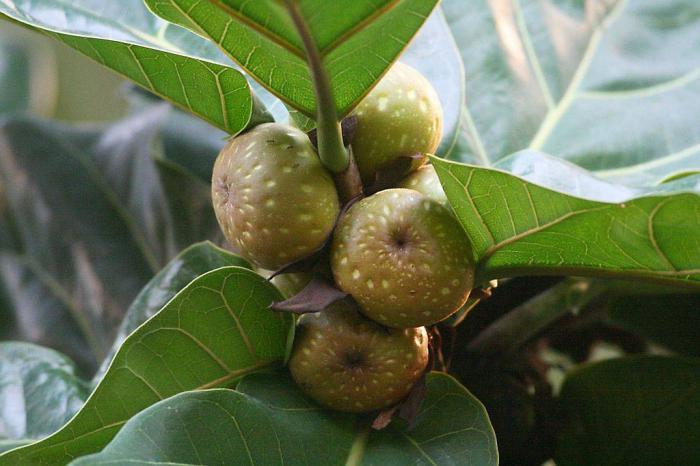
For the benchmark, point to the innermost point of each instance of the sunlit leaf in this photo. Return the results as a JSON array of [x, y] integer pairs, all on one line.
[[519, 228], [357, 40]]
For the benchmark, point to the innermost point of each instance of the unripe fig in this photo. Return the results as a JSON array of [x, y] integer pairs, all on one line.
[[425, 181], [404, 258], [401, 116], [349, 363], [272, 197]]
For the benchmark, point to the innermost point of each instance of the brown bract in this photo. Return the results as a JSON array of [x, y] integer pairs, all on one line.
[[272, 197], [349, 363], [404, 259], [401, 116]]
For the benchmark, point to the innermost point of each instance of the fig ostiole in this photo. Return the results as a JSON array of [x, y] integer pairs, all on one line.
[[273, 199], [400, 117], [349, 363], [404, 258]]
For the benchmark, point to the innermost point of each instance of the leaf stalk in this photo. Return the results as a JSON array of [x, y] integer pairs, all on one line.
[[330, 141]]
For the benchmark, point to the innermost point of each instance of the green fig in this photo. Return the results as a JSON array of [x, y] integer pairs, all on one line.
[[401, 116], [348, 363], [404, 258], [273, 199]]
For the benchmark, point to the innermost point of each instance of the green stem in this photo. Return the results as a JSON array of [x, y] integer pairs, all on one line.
[[357, 450], [508, 334], [330, 139]]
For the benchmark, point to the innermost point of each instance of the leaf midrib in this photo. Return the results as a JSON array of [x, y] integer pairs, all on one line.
[[213, 383], [288, 46], [369, 19], [555, 114]]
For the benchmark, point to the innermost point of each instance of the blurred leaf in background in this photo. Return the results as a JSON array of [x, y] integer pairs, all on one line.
[[44, 77]]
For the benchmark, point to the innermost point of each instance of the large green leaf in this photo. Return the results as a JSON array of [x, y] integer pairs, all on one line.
[[267, 421], [75, 239], [127, 38], [194, 261], [641, 411], [39, 391], [610, 85], [519, 228], [357, 40], [213, 332]]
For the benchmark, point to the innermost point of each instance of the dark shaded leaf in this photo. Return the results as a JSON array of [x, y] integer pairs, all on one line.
[[638, 410], [52, 189], [672, 321]]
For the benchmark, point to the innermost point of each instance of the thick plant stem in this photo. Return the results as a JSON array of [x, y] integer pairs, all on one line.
[[330, 140], [507, 335]]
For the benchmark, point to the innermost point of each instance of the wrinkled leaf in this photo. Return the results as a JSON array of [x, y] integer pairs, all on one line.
[[259, 423], [39, 392], [194, 261], [518, 228], [214, 331], [127, 38], [357, 40], [610, 85], [641, 411]]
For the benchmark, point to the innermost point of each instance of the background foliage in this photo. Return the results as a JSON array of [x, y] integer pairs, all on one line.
[[578, 122]]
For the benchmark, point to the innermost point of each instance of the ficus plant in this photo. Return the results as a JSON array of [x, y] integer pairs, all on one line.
[[356, 232]]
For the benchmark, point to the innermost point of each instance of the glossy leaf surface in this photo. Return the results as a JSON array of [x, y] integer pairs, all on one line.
[[268, 421], [609, 85], [357, 41], [519, 228], [216, 330]]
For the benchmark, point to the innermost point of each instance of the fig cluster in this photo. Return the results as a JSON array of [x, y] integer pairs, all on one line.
[[399, 253]]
